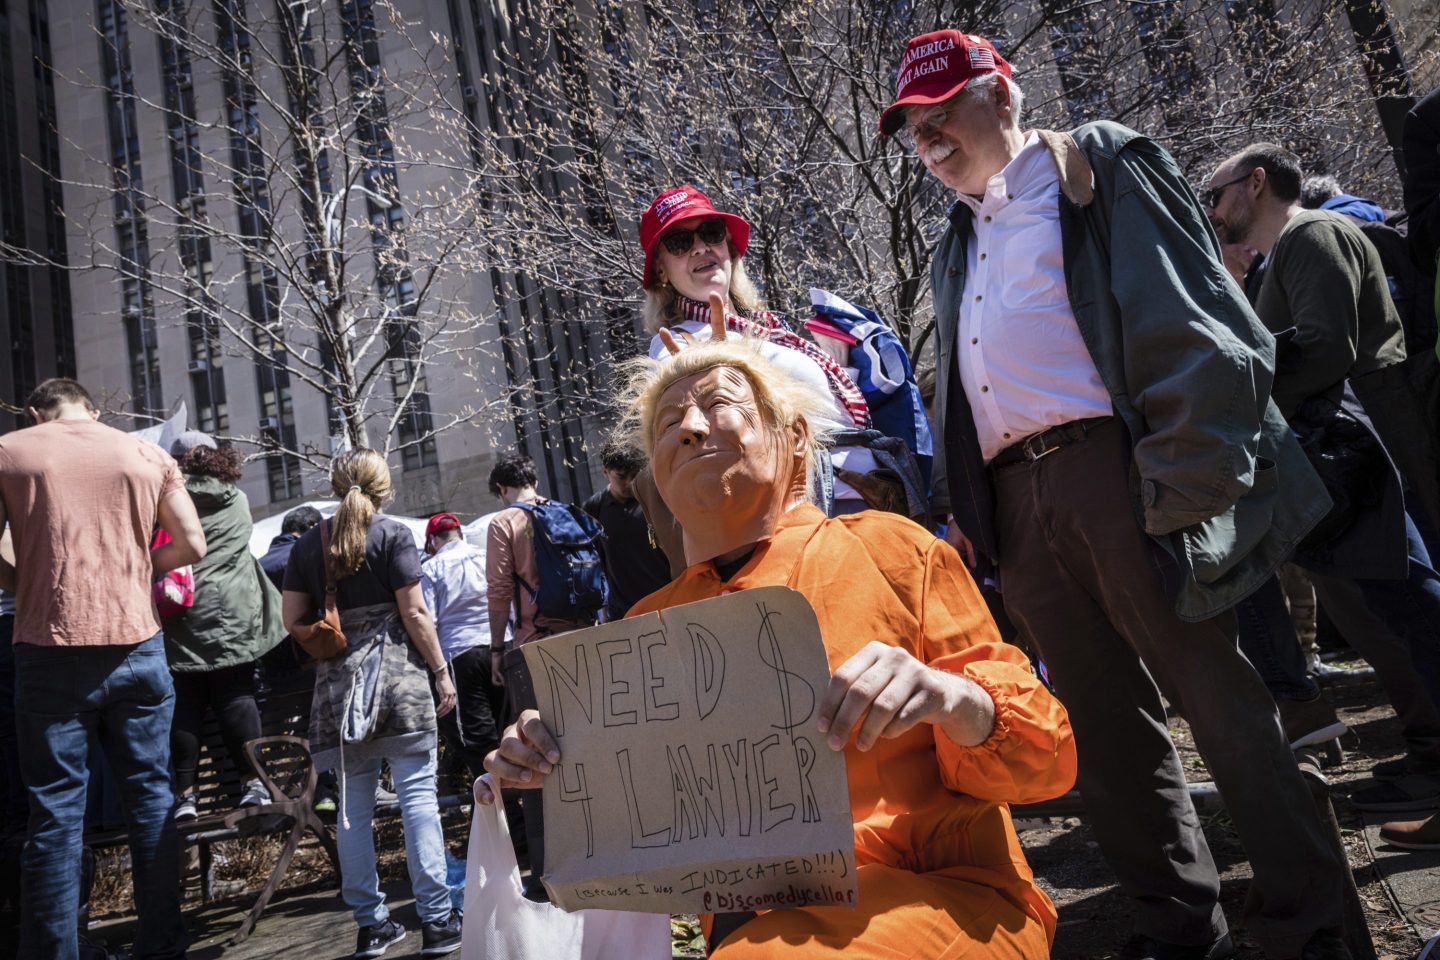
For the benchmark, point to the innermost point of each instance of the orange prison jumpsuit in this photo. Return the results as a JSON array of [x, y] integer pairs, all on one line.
[[940, 871]]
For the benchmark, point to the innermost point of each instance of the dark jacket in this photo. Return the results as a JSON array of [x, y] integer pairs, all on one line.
[[1218, 480], [273, 563], [236, 615], [1421, 146]]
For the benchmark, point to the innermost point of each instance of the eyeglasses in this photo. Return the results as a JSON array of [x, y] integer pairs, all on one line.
[[933, 119], [711, 231], [1211, 197]]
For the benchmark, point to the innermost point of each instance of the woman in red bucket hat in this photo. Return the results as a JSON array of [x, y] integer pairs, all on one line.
[[693, 252]]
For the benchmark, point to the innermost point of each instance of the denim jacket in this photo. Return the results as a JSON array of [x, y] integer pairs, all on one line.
[[1218, 480]]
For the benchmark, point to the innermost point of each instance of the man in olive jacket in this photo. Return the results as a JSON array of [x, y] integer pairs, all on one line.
[[1109, 441]]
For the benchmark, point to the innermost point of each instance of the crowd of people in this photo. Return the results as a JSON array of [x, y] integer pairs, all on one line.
[[1167, 422]]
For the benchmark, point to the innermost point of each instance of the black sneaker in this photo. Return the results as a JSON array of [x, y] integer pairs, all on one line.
[[375, 939], [443, 937]]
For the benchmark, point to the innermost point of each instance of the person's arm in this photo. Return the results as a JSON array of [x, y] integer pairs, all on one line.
[[1198, 364], [7, 553], [421, 628], [499, 591], [177, 517], [1320, 273], [295, 611], [999, 734]]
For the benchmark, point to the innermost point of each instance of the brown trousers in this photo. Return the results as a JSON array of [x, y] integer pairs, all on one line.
[[1083, 582]]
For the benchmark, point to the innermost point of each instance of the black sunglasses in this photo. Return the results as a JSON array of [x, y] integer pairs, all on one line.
[[1212, 196], [711, 231]]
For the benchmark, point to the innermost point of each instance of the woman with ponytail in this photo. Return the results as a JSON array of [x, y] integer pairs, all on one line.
[[373, 703]]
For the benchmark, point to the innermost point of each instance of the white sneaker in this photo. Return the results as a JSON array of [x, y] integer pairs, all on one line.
[[383, 796], [255, 794], [186, 809]]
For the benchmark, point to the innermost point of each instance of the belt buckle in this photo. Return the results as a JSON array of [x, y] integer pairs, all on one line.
[[1028, 445]]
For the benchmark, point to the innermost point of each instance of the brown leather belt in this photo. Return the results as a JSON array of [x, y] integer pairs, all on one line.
[[1040, 445]]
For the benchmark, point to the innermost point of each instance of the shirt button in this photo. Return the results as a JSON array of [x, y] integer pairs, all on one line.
[[984, 389], [974, 339], [978, 298], [1009, 196], [1007, 436], [987, 219], [983, 256], [955, 271]]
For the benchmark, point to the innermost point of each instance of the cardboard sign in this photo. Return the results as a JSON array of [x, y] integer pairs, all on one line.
[[692, 777]]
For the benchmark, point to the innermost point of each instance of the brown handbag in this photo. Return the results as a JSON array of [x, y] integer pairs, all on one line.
[[324, 639]]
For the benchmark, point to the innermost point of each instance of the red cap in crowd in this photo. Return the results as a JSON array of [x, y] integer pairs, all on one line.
[[683, 203], [442, 521], [936, 66]]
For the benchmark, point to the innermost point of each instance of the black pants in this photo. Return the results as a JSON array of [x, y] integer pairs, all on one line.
[[1083, 582], [230, 691], [470, 729]]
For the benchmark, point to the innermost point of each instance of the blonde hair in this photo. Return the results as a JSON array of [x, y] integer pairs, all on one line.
[[784, 400], [361, 479], [661, 308]]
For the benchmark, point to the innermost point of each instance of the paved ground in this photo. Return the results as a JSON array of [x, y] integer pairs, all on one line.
[[1400, 890]]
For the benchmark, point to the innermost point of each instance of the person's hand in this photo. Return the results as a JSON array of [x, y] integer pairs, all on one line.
[[957, 539], [717, 326], [497, 668], [526, 755], [893, 691], [485, 790], [444, 693]]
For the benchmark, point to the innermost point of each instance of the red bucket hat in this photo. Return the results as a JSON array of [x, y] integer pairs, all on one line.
[[936, 66], [683, 203], [442, 521]]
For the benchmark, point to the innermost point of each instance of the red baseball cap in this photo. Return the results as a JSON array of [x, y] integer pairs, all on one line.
[[442, 521], [936, 66], [683, 203]]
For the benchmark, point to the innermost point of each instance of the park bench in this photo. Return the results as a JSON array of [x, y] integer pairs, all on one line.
[[282, 756]]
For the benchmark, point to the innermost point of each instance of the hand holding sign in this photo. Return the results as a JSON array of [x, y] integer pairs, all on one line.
[[676, 742], [527, 753]]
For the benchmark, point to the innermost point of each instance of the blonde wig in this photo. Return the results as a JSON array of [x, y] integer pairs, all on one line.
[[784, 400], [361, 479]]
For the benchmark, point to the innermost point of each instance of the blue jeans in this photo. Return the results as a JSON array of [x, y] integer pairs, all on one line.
[[1267, 638], [123, 695], [414, 776], [13, 805]]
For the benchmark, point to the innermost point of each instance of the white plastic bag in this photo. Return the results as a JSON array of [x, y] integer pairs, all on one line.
[[500, 924]]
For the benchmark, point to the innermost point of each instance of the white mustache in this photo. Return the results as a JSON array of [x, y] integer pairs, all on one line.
[[937, 153]]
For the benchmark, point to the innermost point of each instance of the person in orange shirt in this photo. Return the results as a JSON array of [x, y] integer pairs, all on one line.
[[943, 725]]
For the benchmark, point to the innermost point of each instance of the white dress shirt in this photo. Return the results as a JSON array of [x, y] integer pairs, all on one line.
[[453, 584], [1023, 363]]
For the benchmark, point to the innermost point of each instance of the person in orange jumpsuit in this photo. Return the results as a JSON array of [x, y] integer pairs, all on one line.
[[941, 722]]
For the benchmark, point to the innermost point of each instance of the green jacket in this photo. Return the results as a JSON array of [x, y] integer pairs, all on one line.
[[1218, 480], [236, 615]]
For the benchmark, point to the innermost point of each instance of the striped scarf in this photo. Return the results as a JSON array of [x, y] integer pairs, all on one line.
[[767, 326]]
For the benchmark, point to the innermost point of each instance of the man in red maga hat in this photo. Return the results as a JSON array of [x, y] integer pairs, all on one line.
[[1103, 407]]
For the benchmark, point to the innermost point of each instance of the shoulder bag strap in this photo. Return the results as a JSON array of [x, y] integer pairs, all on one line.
[[325, 565]]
